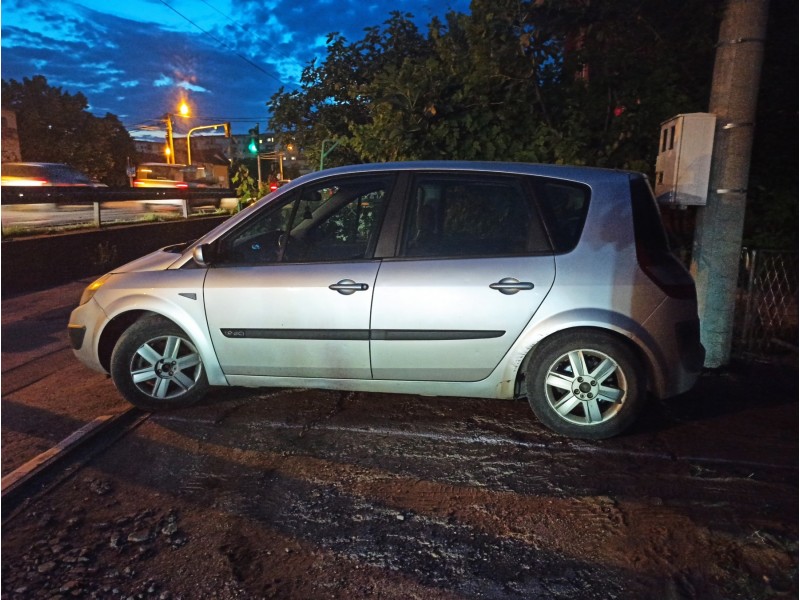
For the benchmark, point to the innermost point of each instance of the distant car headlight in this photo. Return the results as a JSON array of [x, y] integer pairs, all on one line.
[[90, 290]]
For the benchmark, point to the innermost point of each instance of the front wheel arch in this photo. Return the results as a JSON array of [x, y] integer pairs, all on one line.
[[624, 387], [156, 365]]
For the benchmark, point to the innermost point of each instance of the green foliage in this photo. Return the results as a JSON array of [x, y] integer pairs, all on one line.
[[54, 126], [577, 83], [246, 187]]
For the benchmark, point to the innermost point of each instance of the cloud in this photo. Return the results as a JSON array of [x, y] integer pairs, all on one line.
[[138, 58], [191, 87], [163, 81]]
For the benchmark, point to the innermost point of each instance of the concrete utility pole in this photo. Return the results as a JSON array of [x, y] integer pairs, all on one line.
[[718, 235]]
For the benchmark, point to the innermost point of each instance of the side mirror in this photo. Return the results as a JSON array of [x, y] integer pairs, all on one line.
[[202, 255]]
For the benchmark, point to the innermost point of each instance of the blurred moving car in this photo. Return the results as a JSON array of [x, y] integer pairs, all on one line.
[[41, 174], [173, 175], [178, 176], [487, 280]]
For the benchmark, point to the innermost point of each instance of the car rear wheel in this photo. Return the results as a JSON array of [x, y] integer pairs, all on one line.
[[155, 366], [586, 384]]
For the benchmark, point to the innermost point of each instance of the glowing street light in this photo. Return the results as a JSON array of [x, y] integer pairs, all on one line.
[[183, 111]]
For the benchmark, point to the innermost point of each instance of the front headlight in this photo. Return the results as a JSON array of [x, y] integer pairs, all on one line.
[[90, 290]]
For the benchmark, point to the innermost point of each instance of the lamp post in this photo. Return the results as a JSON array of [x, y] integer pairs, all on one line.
[[170, 143], [183, 109], [323, 153]]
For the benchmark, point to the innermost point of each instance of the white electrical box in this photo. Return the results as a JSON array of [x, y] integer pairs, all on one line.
[[683, 164]]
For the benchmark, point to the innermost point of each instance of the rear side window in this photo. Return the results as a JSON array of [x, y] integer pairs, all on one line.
[[564, 206], [471, 215]]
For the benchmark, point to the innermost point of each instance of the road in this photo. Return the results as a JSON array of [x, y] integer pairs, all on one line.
[[317, 494]]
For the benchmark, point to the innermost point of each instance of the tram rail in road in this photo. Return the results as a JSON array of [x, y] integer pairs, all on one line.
[[55, 465]]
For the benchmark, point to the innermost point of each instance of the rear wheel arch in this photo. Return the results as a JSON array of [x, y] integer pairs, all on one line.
[[632, 345], [594, 416]]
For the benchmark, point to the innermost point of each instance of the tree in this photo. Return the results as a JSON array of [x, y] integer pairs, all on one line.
[[545, 81], [54, 126]]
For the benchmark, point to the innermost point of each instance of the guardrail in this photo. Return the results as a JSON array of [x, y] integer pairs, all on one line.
[[89, 195], [98, 196]]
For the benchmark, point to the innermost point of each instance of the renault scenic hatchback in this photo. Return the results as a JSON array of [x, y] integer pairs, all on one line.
[[485, 280]]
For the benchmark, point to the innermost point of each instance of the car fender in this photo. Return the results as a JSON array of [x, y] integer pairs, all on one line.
[[607, 320], [187, 311]]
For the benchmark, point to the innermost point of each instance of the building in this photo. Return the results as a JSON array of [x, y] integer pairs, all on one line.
[[10, 137]]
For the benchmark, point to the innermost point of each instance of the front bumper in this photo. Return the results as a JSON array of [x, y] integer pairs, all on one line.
[[76, 335], [84, 328]]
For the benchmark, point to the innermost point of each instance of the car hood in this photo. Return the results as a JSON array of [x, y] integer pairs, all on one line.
[[155, 261]]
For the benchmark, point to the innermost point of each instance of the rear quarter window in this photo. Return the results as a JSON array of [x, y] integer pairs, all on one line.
[[564, 206]]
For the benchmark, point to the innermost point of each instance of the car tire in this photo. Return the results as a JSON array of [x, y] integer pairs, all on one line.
[[586, 384], [156, 366]]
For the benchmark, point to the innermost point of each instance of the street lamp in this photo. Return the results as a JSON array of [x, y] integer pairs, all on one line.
[[183, 110], [323, 153], [170, 143]]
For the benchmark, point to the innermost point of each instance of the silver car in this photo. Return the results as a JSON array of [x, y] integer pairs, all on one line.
[[486, 280]]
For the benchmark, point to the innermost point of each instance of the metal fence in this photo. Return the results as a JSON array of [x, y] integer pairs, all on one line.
[[49, 209], [766, 322]]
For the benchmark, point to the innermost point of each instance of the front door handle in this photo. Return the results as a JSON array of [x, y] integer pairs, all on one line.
[[348, 286], [509, 285]]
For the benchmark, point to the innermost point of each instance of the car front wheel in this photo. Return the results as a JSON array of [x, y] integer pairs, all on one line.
[[585, 384], [155, 366]]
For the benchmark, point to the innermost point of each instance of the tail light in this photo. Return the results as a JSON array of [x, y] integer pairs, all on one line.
[[666, 271], [652, 248]]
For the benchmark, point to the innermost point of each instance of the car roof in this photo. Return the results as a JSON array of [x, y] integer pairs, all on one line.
[[568, 172]]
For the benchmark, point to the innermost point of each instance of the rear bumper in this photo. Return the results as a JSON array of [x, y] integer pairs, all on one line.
[[692, 352], [677, 354]]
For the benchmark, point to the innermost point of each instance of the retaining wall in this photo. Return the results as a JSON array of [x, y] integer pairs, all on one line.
[[38, 262]]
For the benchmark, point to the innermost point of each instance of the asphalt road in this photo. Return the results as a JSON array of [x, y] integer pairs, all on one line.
[[315, 494]]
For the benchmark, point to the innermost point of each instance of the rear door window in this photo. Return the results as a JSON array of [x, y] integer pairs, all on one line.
[[471, 215]]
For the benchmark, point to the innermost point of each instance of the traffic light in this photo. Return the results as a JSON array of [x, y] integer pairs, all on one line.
[[253, 145]]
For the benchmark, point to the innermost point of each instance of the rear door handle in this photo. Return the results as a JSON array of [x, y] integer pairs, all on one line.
[[348, 286], [509, 285]]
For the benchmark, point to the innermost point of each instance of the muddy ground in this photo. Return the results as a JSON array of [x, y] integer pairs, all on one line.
[[315, 494]]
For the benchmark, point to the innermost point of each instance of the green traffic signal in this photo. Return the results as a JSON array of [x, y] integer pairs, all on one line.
[[254, 145]]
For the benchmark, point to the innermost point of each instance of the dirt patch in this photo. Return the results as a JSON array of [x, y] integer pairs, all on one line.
[[313, 494]]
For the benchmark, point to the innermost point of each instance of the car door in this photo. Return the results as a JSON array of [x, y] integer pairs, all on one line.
[[473, 267], [290, 290]]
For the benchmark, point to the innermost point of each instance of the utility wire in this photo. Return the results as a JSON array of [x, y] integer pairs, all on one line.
[[209, 34], [244, 28]]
